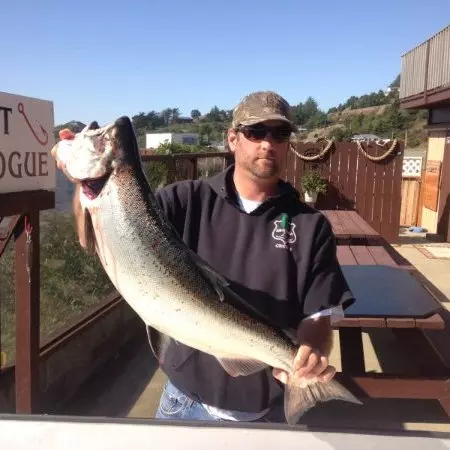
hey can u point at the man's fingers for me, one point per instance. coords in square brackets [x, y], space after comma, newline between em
[301, 357]
[327, 375]
[311, 363]
[320, 367]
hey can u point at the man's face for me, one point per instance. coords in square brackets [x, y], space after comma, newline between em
[259, 149]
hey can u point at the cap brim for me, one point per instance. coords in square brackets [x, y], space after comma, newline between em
[254, 120]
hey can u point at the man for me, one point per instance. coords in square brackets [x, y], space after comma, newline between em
[277, 253]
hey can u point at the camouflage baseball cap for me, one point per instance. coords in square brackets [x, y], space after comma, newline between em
[260, 106]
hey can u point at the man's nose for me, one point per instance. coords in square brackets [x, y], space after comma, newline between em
[268, 141]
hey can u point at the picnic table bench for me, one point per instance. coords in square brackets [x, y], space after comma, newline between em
[350, 228]
[391, 298]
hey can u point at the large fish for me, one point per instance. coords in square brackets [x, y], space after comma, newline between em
[169, 286]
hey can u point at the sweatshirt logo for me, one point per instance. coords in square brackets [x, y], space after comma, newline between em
[284, 232]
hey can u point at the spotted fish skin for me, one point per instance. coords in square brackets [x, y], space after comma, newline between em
[166, 284]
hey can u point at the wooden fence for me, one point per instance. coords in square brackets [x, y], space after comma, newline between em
[355, 182]
[409, 212]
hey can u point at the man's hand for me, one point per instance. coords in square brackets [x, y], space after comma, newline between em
[312, 358]
[307, 364]
[63, 134]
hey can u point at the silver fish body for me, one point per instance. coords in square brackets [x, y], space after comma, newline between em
[166, 284]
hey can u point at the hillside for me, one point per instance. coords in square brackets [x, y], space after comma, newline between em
[375, 113]
[385, 121]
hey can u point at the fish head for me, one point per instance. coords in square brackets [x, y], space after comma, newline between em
[91, 156]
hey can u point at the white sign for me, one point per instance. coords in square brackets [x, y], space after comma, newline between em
[26, 138]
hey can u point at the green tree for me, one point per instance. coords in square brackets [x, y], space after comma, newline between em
[196, 114]
[205, 129]
[166, 114]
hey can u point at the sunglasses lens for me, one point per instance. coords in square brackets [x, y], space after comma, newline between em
[259, 132]
[281, 133]
[255, 133]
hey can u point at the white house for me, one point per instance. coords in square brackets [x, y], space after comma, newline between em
[153, 140]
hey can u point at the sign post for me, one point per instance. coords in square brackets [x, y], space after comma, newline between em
[27, 186]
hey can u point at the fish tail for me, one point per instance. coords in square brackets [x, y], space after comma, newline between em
[299, 399]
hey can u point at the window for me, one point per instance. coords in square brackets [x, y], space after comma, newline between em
[440, 115]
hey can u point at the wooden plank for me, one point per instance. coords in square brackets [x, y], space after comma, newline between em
[347, 322]
[370, 184]
[369, 231]
[381, 256]
[410, 205]
[298, 170]
[334, 189]
[391, 233]
[347, 178]
[339, 229]
[435, 322]
[345, 256]
[431, 184]
[372, 322]
[16, 202]
[353, 229]
[415, 202]
[351, 184]
[343, 175]
[388, 189]
[290, 167]
[400, 323]
[420, 201]
[361, 181]
[403, 208]
[362, 255]
[378, 191]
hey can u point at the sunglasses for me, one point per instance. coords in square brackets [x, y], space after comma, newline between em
[259, 131]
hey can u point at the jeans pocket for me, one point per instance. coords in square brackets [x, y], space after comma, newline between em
[173, 401]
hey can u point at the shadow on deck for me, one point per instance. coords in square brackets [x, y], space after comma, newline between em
[130, 386]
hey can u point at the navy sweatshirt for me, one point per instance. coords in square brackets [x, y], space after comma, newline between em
[281, 258]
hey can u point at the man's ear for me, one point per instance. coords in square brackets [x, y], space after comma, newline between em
[232, 139]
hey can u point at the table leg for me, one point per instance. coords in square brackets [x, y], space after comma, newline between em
[352, 352]
[445, 404]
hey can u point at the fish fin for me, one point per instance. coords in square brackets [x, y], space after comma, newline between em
[89, 233]
[218, 281]
[298, 399]
[159, 343]
[236, 367]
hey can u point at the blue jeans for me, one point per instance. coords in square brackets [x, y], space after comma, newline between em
[174, 405]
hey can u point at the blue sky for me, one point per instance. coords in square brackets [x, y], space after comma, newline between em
[97, 61]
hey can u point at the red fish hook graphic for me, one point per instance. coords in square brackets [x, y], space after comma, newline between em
[42, 141]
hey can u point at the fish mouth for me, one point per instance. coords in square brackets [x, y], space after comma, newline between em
[92, 187]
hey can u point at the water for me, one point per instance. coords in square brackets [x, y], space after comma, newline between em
[64, 193]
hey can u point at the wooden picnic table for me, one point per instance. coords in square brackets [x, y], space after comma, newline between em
[392, 298]
[349, 227]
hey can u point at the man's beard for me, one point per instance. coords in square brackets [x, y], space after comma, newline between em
[263, 168]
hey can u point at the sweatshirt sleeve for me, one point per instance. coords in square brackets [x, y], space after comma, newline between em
[174, 200]
[327, 287]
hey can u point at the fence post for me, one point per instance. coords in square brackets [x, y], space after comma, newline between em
[27, 314]
[193, 169]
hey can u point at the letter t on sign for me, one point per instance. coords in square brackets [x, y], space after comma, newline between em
[5, 118]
